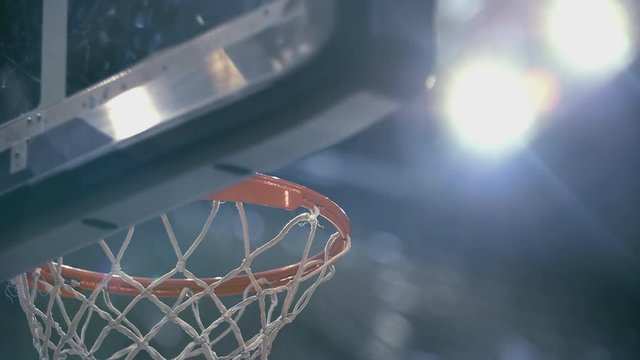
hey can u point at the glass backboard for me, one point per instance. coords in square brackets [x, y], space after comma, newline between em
[144, 105]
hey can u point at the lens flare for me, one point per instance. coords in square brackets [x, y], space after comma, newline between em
[589, 36]
[489, 106]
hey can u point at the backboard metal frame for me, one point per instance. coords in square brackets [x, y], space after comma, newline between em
[176, 83]
[357, 76]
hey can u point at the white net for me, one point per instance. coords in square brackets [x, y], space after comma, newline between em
[69, 319]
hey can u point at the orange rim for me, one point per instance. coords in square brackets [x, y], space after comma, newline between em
[261, 190]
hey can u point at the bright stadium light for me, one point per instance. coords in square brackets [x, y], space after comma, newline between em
[490, 106]
[589, 36]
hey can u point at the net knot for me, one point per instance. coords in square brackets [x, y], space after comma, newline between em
[72, 282]
[180, 266]
[115, 268]
[142, 344]
[311, 217]
[313, 213]
[226, 316]
[200, 340]
[37, 271]
[246, 264]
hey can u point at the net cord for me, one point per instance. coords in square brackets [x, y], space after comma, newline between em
[71, 330]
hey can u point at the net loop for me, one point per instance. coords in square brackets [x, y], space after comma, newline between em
[62, 302]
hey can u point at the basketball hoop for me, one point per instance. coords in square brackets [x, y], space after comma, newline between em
[60, 301]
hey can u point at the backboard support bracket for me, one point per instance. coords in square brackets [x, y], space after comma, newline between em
[19, 157]
[54, 52]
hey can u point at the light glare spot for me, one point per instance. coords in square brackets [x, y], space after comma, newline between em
[461, 10]
[393, 329]
[489, 106]
[544, 90]
[224, 72]
[589, 36]
[385, 248]
[131, 113]
[395, 290]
